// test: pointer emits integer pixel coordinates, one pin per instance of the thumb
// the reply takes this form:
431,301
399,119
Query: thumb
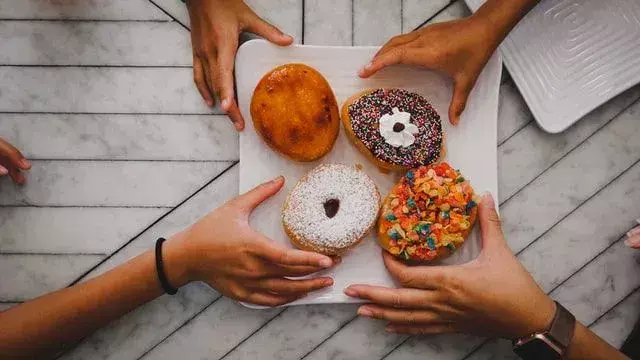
461,91
254,197
490,225
262,28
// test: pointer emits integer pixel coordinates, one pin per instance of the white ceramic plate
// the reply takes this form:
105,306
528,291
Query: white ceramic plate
568,57
471,146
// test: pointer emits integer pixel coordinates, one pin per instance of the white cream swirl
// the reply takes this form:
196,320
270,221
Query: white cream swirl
396,128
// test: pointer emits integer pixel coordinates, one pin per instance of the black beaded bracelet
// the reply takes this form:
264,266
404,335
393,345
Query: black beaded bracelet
160,269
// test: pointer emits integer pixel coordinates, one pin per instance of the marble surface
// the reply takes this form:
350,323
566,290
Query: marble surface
99,94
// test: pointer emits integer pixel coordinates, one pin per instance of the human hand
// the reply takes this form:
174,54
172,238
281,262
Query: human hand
224,251
12,162
459,48
492,295
633,238
215,28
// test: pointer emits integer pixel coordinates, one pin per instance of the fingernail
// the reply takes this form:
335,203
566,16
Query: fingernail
328,282
363,311
634,231
633,241
25,164
209,103
226,103
3,171
350,292
487,200
276,180
326,263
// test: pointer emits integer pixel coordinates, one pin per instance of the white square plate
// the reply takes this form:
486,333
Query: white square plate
568,57
471,146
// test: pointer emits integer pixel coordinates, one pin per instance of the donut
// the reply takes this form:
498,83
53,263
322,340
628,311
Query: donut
331,209
295,112
396,129
428,214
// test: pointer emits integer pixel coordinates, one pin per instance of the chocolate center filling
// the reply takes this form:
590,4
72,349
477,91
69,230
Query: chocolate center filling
331,207
397,127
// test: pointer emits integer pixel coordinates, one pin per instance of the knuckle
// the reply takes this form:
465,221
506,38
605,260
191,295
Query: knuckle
396,301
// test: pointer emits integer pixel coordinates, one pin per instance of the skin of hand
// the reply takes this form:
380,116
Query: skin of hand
459,48
215,28
12,162
633,238
492,295
224,251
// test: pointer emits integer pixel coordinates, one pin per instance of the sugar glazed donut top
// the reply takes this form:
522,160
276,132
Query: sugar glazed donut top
295,111
428,214
397,127
331,208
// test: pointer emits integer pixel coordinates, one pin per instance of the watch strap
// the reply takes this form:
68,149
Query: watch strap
562,327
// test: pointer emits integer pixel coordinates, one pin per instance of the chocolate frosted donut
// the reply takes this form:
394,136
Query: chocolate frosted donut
331,209
395,128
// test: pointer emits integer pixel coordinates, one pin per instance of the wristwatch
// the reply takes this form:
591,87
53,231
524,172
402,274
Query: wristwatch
551,343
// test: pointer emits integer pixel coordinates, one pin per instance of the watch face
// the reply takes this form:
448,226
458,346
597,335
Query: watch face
536,349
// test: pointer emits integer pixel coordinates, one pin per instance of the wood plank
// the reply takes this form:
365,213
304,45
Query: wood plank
328,22
100,90
458,9
285,14
615,326
415,12
309,322
226,321
94,43
109,183
7,305
175,9
362,338
85,10
133,335
71,230
376,21
121,137
586,232
513,112
531,151
27,276
552,195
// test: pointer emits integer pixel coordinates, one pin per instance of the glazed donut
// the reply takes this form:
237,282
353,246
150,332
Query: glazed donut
295,112
331,209
396,129
428,214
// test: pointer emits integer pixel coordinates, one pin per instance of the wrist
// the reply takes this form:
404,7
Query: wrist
539,319
176,261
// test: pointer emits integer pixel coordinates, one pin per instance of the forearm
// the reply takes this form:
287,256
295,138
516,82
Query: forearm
50,323
501,16
588,346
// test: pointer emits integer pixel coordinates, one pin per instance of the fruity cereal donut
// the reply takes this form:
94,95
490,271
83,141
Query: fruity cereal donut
395,129
428,214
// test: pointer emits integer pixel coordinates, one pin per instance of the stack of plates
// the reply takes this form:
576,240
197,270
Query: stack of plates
568,57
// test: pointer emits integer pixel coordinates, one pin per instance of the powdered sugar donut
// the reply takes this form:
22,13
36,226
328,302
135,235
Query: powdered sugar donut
331,209
396,129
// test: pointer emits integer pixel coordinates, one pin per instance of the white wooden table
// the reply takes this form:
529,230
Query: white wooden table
99,94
